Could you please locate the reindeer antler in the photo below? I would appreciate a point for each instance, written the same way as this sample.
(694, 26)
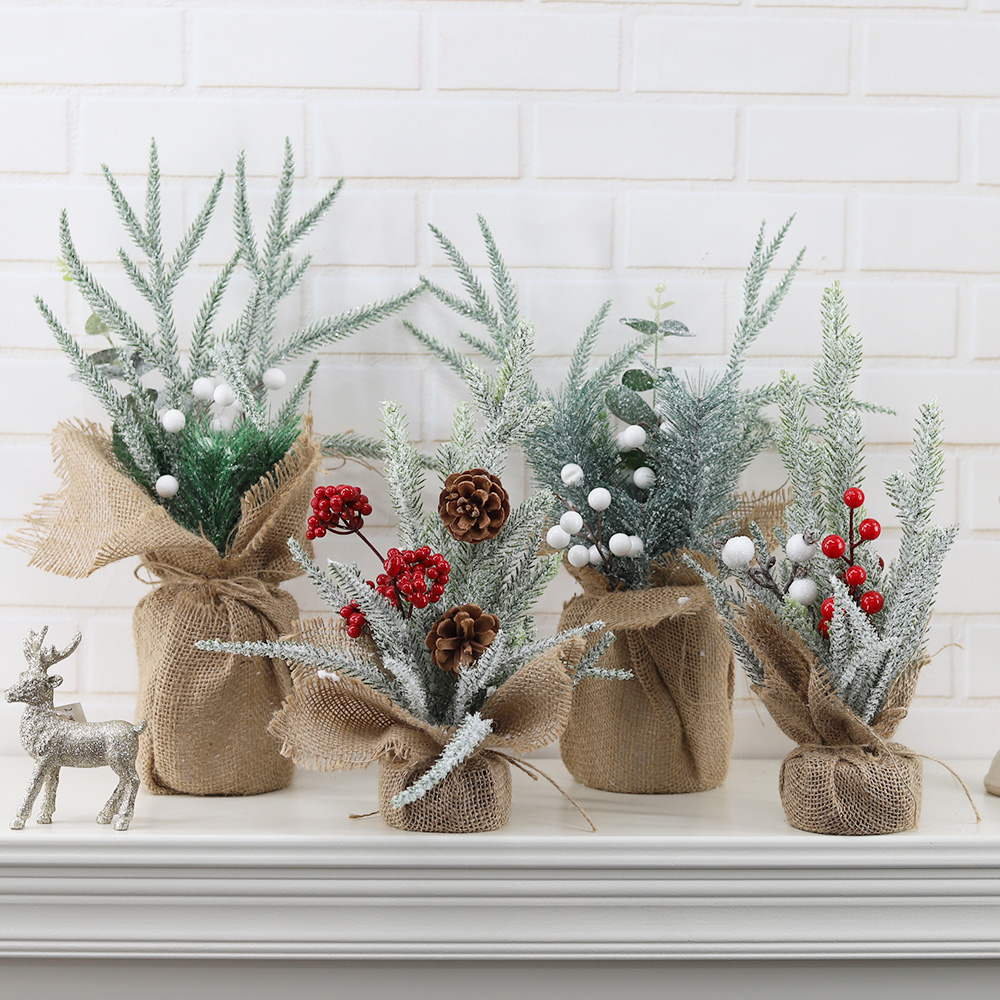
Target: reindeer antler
(44, 658)
(33, 644)
(51, 655)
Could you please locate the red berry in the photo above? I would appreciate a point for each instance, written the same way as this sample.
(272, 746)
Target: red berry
(404, 587)
(442, 578)
(354, 631)
(420, 601)
(335, 504)
(356, 619)
(833, 546)
(346, 611)
(853, 497)
(823, 627)
(366, 509)
(826, 609)
(320, 491)
(872, 602)
(436, 591)
(869, 529)
(319, 532)
(855, 576)
(310, 534)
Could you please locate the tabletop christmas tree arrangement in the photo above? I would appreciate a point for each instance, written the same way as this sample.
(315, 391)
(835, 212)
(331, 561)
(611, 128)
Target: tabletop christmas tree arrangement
(632, 495)
(833, 638)
(203, 476)
(434, 670)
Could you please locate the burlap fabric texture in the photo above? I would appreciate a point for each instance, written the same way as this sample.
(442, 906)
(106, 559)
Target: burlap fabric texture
(337, 724)
(207, 712)
(670, 729)
(845, 776)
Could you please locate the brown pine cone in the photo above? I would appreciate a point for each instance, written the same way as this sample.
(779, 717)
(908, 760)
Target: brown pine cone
(461, 636)
(473, 505)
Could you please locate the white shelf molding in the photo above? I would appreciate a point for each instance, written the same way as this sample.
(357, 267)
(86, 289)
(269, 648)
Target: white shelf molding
(288, 875)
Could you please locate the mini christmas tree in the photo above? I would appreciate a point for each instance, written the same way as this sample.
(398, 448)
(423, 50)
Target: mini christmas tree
(454, 688)
(643, 465)
(831, 638)
(200, 477)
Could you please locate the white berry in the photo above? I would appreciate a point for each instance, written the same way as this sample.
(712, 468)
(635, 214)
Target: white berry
(578, 555)
(594, 554)
(599, 498)
(571, 521)
(556, 537)
(632, 437)
(799, 550)
(274, 378)
(173, 421)
(738, 552)
(637, 546)
(571, 474)
(203, 388)
(223, 395)
(644, 477)
(167, 486)
(220, 424)
(620, 544)
(804, 591)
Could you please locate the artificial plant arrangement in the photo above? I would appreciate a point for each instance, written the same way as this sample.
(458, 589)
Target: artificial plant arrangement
(434, 670)
(203, 475)
(629, 501)
(831, 637)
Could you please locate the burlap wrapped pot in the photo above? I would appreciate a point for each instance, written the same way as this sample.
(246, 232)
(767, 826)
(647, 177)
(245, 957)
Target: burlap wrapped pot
(207, 712)
(845, 776)
(337, 724)
(670, 729)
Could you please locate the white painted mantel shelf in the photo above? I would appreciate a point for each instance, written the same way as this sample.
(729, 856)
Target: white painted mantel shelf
(289, 875)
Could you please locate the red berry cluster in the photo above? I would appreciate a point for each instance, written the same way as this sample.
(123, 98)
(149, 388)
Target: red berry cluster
(418, 576)
(354, 617)
(834, 547)
(337, 506)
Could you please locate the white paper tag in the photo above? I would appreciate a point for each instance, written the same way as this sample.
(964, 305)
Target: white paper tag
(72, 712)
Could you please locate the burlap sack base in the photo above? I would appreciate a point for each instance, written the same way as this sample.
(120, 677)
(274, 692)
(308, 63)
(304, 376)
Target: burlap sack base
(845, 777)
(474, 798)
(207, 712)
(338, 724)
(852, 790)
(670, 729)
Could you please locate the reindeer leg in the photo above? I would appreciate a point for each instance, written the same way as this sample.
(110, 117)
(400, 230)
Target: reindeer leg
(125, 815)
(49, 799)
(34, 787)
(111, 806)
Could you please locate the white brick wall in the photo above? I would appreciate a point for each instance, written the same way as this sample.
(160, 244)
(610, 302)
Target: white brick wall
(612, 144)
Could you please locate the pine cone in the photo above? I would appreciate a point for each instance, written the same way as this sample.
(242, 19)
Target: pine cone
(461, 636)
(473, 505)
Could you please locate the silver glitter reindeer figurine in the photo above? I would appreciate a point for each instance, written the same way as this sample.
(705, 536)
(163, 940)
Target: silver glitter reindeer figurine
(55, 741)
